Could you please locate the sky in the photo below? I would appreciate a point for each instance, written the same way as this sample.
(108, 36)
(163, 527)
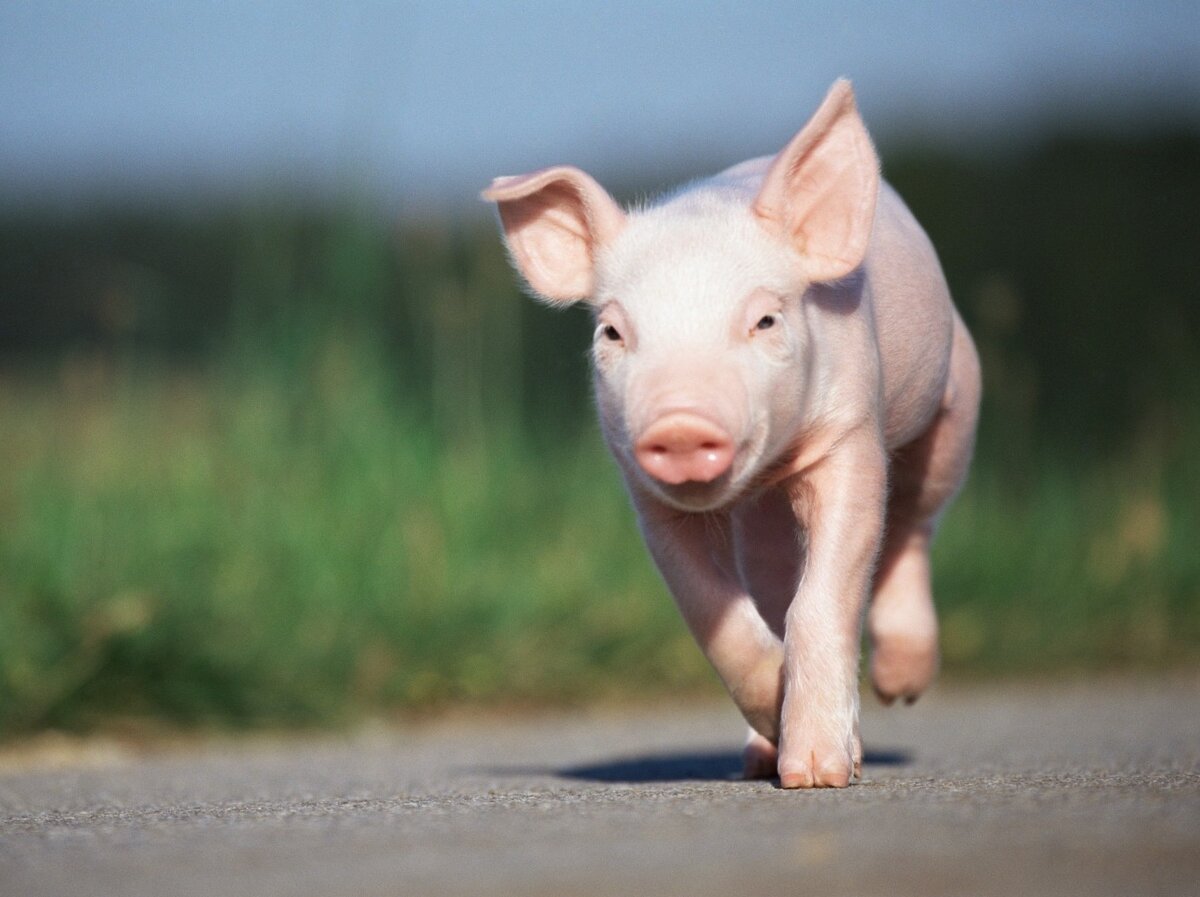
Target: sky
(418, 105)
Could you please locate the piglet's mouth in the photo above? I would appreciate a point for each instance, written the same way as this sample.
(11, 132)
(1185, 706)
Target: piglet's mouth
(696, 496)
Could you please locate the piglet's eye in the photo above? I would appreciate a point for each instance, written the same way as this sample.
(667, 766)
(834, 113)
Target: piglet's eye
(766, 322)
(611, 333)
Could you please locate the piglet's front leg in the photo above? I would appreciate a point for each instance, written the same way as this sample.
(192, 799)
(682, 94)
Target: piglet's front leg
(695, 556)
(840, 501)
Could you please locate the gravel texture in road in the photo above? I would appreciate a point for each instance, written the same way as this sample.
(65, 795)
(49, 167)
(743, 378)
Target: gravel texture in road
(1089, 787)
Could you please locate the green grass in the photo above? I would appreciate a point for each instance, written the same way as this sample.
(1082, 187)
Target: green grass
(263, 551)
(1083, 566)
(288, 546)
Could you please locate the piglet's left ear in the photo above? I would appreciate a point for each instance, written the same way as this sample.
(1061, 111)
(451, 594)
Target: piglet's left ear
(820, 191)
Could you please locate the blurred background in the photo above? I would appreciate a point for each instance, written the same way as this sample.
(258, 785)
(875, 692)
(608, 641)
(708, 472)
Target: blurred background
(282, 444)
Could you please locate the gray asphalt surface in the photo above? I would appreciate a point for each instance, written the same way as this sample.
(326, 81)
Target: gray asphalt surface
(1089, 788)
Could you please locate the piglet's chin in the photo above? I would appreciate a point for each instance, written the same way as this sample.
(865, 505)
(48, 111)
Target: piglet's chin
(693, 496)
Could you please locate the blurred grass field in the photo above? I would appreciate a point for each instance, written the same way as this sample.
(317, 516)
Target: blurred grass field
(278, 466)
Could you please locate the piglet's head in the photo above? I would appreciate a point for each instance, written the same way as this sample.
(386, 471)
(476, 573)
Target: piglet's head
(704, 359)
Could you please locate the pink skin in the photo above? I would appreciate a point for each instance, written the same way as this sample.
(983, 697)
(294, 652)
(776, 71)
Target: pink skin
(792, 399)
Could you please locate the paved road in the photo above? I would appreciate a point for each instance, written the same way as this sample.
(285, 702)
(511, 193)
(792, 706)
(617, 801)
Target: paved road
(1088, 788)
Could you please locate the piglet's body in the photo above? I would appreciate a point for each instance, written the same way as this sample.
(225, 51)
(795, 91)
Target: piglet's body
(792, 398)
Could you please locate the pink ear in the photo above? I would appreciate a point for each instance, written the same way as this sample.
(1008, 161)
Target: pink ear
(819, 192)
(555, 221)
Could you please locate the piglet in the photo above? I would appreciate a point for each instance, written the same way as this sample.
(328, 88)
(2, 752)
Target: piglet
(791, 397)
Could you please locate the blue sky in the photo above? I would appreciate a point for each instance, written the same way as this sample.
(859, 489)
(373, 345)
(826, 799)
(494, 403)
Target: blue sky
(421, 103)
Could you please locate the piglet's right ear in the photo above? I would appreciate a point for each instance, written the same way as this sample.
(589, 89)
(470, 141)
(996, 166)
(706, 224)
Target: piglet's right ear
(555, 222)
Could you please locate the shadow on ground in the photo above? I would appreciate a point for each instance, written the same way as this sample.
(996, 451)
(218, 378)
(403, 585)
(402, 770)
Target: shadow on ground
(682, 766)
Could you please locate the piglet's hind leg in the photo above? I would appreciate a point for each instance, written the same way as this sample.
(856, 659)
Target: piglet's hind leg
(925, 475)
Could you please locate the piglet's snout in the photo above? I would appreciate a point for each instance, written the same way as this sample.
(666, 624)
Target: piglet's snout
(681, 447)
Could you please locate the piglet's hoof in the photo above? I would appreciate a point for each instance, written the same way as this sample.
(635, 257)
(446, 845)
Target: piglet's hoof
(759, 758)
